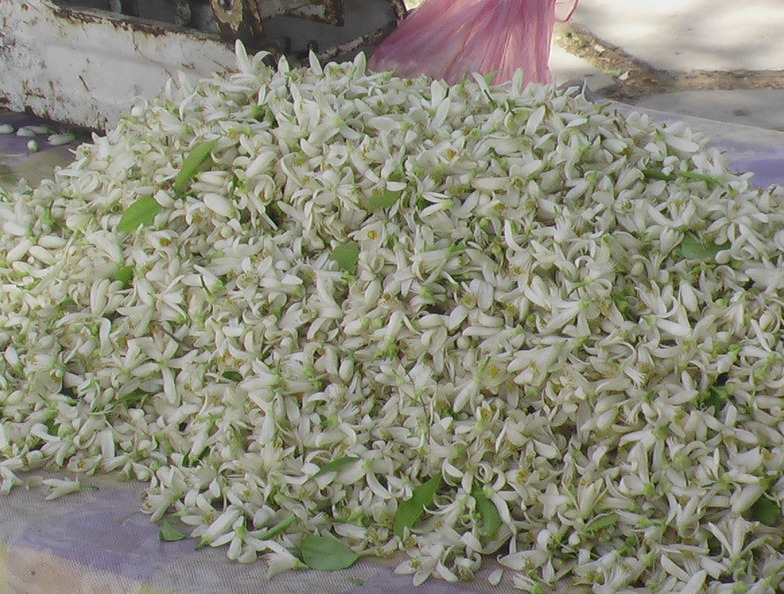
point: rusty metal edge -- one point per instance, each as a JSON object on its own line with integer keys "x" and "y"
{"x": 137, "y": 25}
{"x": 130, "y": 23}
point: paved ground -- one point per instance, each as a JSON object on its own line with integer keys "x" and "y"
{"x": 716, "y": 59}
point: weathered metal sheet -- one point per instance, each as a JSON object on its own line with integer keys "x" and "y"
{"x": 84, "y": 66}
{"x": 238, "y": 19}
{"x": 365, "y": 23}
{"x": 244, "y": 19}
{"x": 325, "y": 11}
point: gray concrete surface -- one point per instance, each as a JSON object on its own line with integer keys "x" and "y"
{"x": 762, "y": 108}
{"x": 568, "y": 67}
{"x": 684, "y": 36}
{"x": 691, "y": 34}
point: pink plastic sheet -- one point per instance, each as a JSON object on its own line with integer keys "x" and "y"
{"x": 452, "y": 38}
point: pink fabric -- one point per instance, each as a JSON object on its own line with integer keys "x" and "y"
{"x": 564, "y": 9}
{"x": 451, "y": 38}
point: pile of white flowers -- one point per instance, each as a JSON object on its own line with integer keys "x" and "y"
{"x": 449, "y": 320}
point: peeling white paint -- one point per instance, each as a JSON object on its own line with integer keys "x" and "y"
{"x": 84, "y": 67}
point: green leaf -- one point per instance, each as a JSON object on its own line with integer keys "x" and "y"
{"x": 692, "y": 248}
{"x": 657, "y": 174}
{"x": 135, "y": 398}
{"x": 124, "y": 274}
{"x": 234, "y": 376}
{"x": 765, "y": 510}
{"x": 715, "y": 397}
{"x": 407, "y": 514}
{"x": 410, "y": 510}
{"x": 711, "y": 181}
{"x": 335, "y": 465}
{"x": 601, "y": 522}
{"x": 191, "y": 165}
{"x": 191, "y": 461}
{"x": 347, "y": 256}
{"x": 169, "y": 532}
{"x": 257, "y": 112}
{"x": 52, "y": 427}
{"x": 141, "y": 212}
{"x": 383, "y": 199}
{"x": 277, "y": 528}
{"x": 488, "y": 513}
{"x": 326, "y": 553}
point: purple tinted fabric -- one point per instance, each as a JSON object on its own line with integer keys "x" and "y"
{"x": 766, "y": 163}
{"x": 102, "y": 535}
{"x": 449, "y": 39}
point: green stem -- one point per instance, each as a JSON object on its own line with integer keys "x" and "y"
{"x": 277, "y": 528}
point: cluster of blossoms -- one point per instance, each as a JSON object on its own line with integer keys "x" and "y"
{"x": 565, "y": 321}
